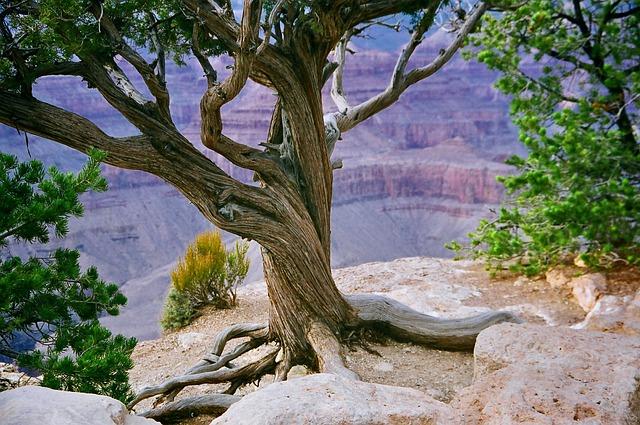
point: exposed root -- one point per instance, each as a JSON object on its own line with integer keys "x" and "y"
{"x": 404, "y": 323}
{"x": 245, "y": 374}
{"x": 284, "y": 365}
{"x": 329, "y": 351}
{"x": 212, "y": 361}
{"x": 374, "y": 313}
{"x": 212, "y": 404}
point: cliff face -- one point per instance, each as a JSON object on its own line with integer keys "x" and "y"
{"x": 417, "y": 175}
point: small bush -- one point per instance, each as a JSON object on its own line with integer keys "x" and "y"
{"x": 208, "y": 274}
{"x": 178, "y": 311}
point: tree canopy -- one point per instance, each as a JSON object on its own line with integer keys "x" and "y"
{"x": 572, "y": 70}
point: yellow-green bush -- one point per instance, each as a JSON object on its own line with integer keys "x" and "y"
{"x": 208, "y": 274}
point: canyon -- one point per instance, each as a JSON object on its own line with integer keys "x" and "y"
{"x": 415, "y": 176}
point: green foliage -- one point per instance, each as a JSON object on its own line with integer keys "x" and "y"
{"x": 50, "y": 300}
{"x": 178, "y": 311}
{"x": 55, "y": 31}
{"x": 208, "y": 274}
{"x": 574, "y": 90}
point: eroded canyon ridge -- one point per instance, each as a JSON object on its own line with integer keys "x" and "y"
{"x": 415, "y": 176}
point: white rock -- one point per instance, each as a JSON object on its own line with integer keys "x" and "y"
{"x": 326, "y": 399}
{"x": 530, "y": 374}
{"x": 558, "y": 277}
{"x": 188, "y": 340}
{"x": 614, "y": 314}
{"x": 298, "y": 371}
{"x": 579, "y": 262}
{"x": 39, "y": 406}
{"x": 588, "y": 288}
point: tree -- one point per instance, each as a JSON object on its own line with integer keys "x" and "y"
{"x": 284, "y": 45}
{"x": 49, "y": 301}
{"x": 572, "y": 71}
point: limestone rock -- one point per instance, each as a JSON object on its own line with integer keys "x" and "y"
{"x": 33, "y": 405}
{"x": 530, "y": 374}
{"x": 588, "y": 288}
{"x": 558, "y": 277}
{"x": 325, "y": 399}
{"x": 298, "y": 371}
{"x": 614, "y": 314}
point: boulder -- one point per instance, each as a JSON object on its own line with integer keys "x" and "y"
{"x": 530, "y": 374}
{"x": 33, "y": 405}
{"x": 588, "y": 288}
{"x": 326, "y": 399}
{"x": 559, "y": 277}
{"x": 614, "y": 314}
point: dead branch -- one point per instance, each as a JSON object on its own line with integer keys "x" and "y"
{"x": 154, "y": 82}
{"x": 400, "y": 80}
{"x": 212, "y": 404}
{"x": 243, "y": 374}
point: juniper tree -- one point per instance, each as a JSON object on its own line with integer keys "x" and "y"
{"x": 572, "y": 70}
{"x": 293, "y": 48}
{"x": 48, "y": 300}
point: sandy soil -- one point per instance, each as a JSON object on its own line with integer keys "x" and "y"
{"x": 440, "y": 282}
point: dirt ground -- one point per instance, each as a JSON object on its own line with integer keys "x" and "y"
{"x": 438, "y": 373}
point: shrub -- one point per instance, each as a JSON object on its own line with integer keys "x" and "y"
{"x": 178, "y": 311}
{"x": 208, "y": 274}
{"x": 49, "y": 300}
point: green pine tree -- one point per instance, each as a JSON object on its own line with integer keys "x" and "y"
{"x": 50, "y": 300}
{"x": 571, "y": 70}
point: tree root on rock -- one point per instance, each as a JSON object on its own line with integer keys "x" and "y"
{"x": 373, "y": 313}
{"x": 406, "y": 324}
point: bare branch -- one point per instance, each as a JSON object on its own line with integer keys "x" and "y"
{"x": 337, "y": 85}
{"x": 211, "y": 404}
{"x": 269, "y": 25}
{"x": 245, "y": 373}
{"x": 217, "y": 22}
{"x": 220, "y": 94}
{"x": 209, "y": 72}
{"x": 51, "y": 122}
{"x": 161, "y": 59}
{"x": 401, "y": 81}
{"x": 60, "y": 68}
{"x": 424, "y": 72}
{"x": 155, "y": 84}
{"x": 117, "y": 89}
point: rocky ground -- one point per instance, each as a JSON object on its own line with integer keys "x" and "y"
{"x": 566, "y": 298}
